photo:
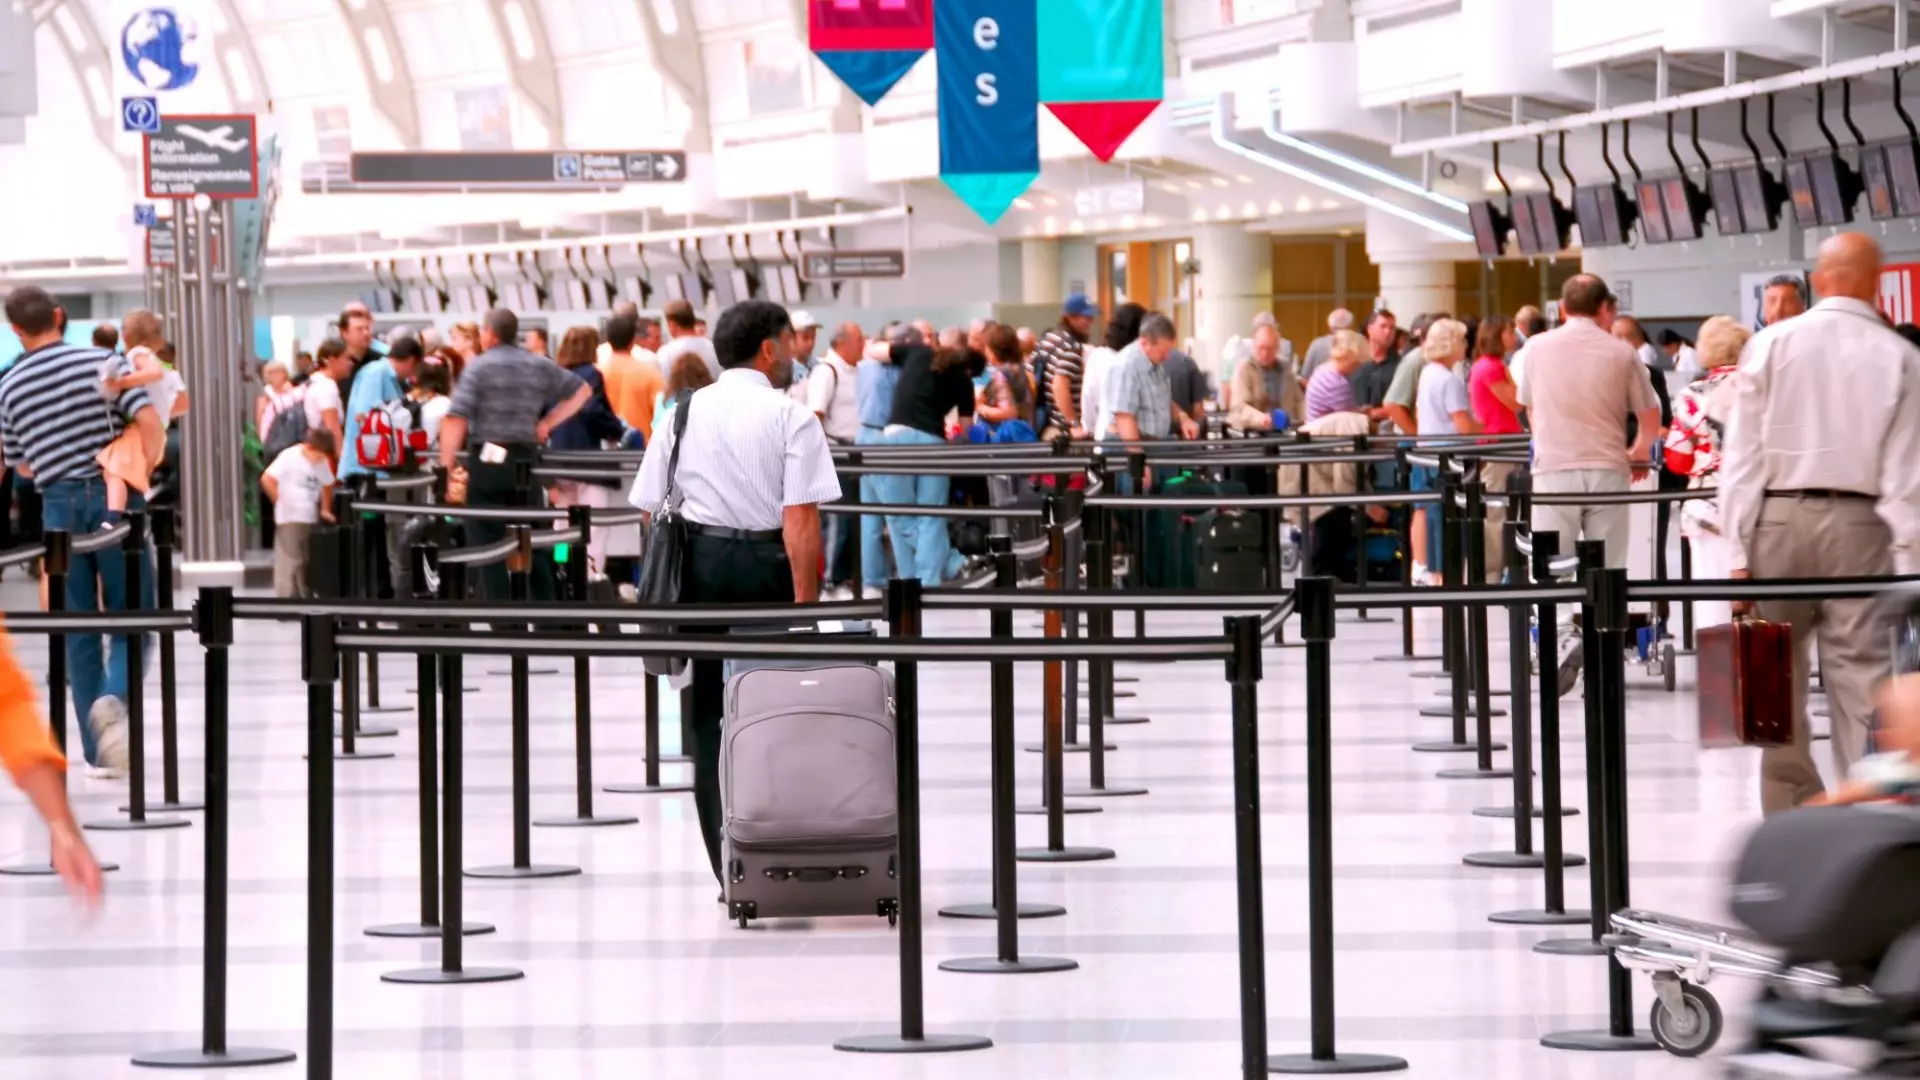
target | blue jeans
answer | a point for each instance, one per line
(920, 544)
(873, 553)
(79, 507)
(1427, 479)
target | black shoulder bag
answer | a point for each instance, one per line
(664, 545)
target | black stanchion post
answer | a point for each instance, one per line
(581, 518)
(1099, 672)
(519, 590)
(1006, 908)
(1052, 748)
(320, 668)
(1403, 479)
(213, 622)
(453, 925)
(1452, 630)
(1137, 548)
(1608, 593)
(1686, 606)
(858, 529)
(132, 555)
(1098, 522)
(1472, 622)
(364, 535)
(903, 617)
(164, 539)
(1243, 672)
(1592, 559)
(1314, 602)
(348, 558)
(1546, 547)
(650, 732)
(55, 565)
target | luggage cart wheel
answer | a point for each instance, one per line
(1690, 1029)
(1666, 665)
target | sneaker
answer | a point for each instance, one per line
(836, 594)
(629, 594)
(109, 720)
(1573, 657)
(96, 772)
(1423, 577)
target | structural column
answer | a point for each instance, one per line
(1410, 288)
(1040, 272)
(1235, 284)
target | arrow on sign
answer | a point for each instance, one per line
(667, 166)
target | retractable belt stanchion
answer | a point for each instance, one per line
(1099, 672)
(1098, 521)
(650, 729)
(1471, 622)
(1452, 629)
(1403, 475)
(338, 546)
(320, 667)
(581, 518)
(1447, 483)
(523, 496)
(1058, 568)
(213, 622)
(1362, 525)
(519, 585)
(1006, 909)
(132, 554)
(1592, 558)
(1314, 603)
(358, 573)
(1546, 547)
(1608, 590)
(453, 924)
(1243, 672)
(164, 537)
(858, 525)
(1136, 554)
(427, 675)
(55, 563)
(371, 534)
(1053, 766)
(903, 618)
(1686, 606)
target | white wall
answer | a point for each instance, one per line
(1694, 279)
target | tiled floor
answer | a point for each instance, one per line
(632, 970)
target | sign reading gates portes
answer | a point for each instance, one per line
(541, 168)
(215, 156)
(839, 265)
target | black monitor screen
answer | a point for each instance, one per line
(1546, 224)
(1586, 210)
(1806, 211)
(1756, 214)
(1873, 170)
(1726, 202)
(1487, 240)
(1681, 224)
(1653, 218)
(1827, 197)
(1524, 233)
(1903, 175)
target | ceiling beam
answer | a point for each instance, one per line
(673, 49)
(383, 62)
(522, 31)
(90, 58)
(234, 40)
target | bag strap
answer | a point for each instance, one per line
(682, 402)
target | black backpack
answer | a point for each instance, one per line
(286, 429)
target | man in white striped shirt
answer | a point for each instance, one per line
(749, 481)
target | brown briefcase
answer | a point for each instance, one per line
(1746, 684)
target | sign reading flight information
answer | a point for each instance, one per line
(213, 156)
(530, 168)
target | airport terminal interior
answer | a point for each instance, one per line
(1156, 789)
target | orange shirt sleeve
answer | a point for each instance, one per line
(25, 741)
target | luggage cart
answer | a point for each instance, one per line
(1683, 956)
(1653, 649)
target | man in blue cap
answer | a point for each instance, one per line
(1059, 368)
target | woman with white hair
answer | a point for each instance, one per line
(1693, 451)
(1441, 407)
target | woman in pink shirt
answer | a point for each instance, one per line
(1494, 398)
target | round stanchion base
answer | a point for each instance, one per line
(1403, 658)
(130, 825)
(1128, 720)
(381, 710)
(1116, 693)
(1126, 678)
(1541, 917)
(1433, 674)
(1026, 965)
(437, 977)
(1110, 791)
(464, 689)
(1490, 693)
(988, 911)
(1448, 746)
(358, 755)
(521, 873)
(643, 789)
(1067, 748)
(375, 731)
(1505, 813)
(1040, 810)
(168, 807)
(46, 869)
(1446, 712)
(894, 1044)
(1513, 860)
(1571, 946)
(1337, 1065)
(1597, 1040)
(1067, 854)
(597, 821)
(233, 1057)
(507, 672)
(422, 930)
(1475, 774)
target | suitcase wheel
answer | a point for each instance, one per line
(742, 911)
(890, 909)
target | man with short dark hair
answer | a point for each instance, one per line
(54, 422)
(537, 341)
(1784, 297)
(749, 472)
(1372, 379)
(356, 330)
(686, 334)
(502, 405)
(1139, 400)
(646, 335)
(633, 381)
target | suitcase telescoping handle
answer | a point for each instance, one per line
(815, 875)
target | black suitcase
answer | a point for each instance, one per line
(1228, 553)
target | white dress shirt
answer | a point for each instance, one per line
(751, 452)
(1828, 401)
(833, 393)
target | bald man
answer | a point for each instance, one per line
(1819, 479)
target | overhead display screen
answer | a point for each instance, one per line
(1489, 229)
(1653, 215)
(1725, 191)
(1681, 222)
(1806, 211)
(1873, 170)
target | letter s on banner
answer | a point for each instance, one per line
(989, 92)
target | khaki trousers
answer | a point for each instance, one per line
(1493, 478)
(1808, 537)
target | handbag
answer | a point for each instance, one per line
(663, 542)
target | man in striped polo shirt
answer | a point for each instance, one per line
(1059, 367)
(54, 422)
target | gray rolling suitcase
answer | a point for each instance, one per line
(809, 795)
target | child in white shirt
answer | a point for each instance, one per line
(300, 483)
(126, 463)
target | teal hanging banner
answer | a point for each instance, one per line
(1105, 70)
(989, 100)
